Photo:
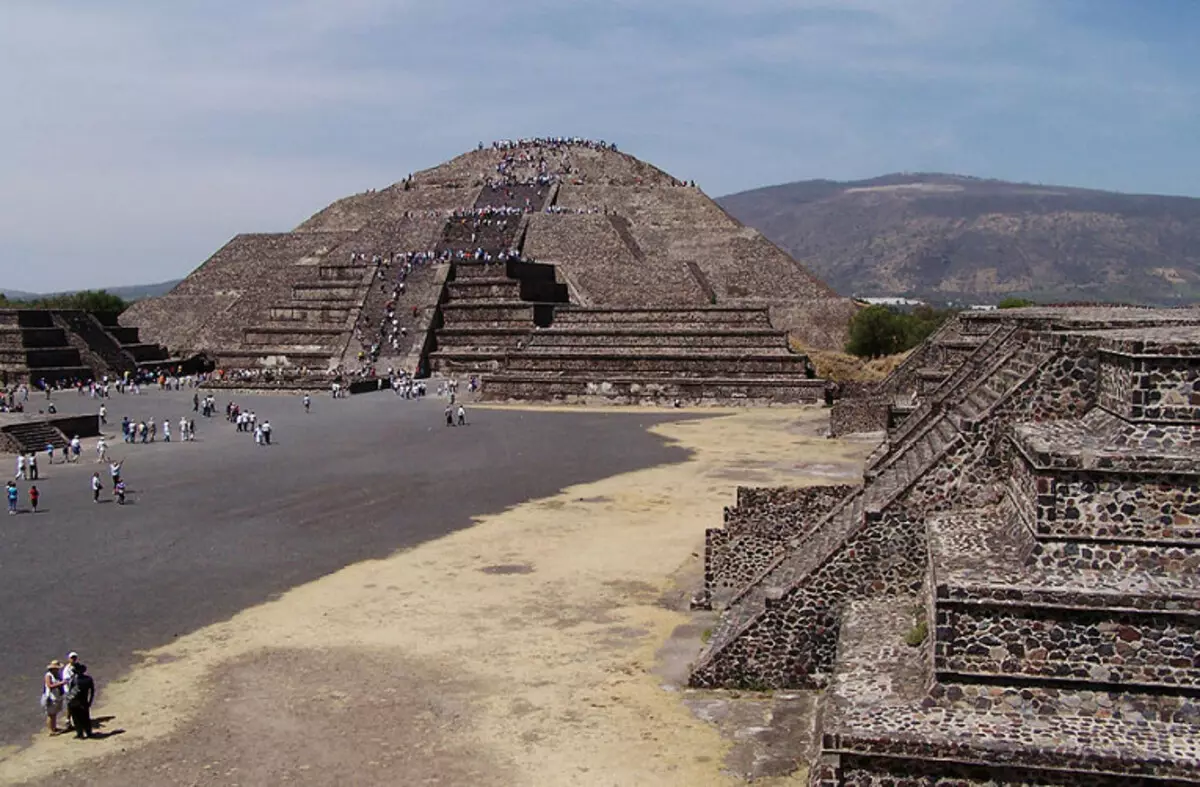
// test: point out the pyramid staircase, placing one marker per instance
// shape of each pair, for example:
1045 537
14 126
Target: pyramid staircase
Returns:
1063 642
780 630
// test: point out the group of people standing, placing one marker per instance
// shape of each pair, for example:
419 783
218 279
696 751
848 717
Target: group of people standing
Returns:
69 684
146 431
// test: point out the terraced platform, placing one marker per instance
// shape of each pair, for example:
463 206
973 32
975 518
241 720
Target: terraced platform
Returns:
1031 529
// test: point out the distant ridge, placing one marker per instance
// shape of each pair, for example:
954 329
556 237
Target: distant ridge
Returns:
959 238
131 292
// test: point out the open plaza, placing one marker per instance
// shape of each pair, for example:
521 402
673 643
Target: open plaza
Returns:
472 605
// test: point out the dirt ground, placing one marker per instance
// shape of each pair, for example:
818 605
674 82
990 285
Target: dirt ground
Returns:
525 650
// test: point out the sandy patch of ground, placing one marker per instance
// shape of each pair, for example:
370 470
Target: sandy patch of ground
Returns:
519 651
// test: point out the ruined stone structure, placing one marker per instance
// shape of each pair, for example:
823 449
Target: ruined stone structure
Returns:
1011 596
623 282
59 345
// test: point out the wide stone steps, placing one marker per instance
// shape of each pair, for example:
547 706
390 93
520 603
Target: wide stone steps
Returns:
35 436
487 313
274 335
1003 622
621 388
653 318
334 296
878 725
597 363
717 338
313 312
484 289
338 273
482 339
492 271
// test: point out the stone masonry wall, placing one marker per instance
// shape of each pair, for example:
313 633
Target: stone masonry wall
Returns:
1118 505
939 771
1150 389
758 529
1081 644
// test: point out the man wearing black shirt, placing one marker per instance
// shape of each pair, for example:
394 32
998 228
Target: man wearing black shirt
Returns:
80 693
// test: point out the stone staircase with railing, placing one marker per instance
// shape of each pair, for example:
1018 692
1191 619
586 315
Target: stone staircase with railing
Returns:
1056 637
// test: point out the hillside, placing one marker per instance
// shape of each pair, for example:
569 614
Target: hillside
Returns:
954 238
131 292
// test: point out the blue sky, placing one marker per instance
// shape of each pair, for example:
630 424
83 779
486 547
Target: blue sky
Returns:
139 136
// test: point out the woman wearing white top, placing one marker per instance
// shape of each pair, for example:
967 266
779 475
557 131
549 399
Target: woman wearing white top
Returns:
52 695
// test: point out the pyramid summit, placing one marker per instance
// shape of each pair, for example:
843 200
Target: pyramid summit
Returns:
558 231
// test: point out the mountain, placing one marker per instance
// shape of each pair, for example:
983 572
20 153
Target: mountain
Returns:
131 292
955 238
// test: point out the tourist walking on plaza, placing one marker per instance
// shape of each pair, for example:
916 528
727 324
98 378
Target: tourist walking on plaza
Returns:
307 402
266 432
103 415
81 692
462 415
119 492
76 447
166 431
96 487
52 694
34 497
31 468
49 453
13 493
20 467
101 451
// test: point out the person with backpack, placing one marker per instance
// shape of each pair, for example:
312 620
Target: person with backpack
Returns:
81 691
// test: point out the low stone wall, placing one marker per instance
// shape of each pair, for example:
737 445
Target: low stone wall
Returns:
858 413
757 530
937 767
1089 645
81 425
650 390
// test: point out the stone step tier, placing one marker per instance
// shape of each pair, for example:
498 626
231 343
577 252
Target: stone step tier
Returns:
642 389
1001 621
881 724
34 436
1101 493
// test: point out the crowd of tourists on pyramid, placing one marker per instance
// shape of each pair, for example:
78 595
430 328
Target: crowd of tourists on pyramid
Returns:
551 142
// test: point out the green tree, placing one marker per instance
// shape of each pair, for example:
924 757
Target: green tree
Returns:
878 330
1012 302
875 331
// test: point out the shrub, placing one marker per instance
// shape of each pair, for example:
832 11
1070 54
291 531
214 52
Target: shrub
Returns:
1014 303
877 330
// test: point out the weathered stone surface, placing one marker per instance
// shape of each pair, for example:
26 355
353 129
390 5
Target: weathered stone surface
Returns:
1030 529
